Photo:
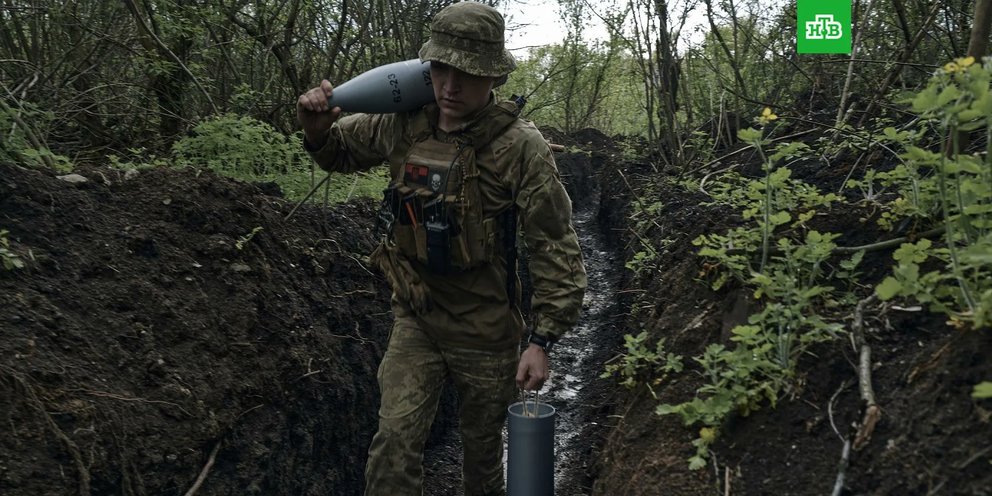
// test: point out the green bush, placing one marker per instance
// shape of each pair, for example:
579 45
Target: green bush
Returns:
241 147
250 150
16 145
958 99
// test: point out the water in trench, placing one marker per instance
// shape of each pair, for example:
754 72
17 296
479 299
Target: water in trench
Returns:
576 362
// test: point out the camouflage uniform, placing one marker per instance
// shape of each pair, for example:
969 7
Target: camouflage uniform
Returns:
463 324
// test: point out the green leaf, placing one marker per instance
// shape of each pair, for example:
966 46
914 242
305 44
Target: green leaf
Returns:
982 391
983 104
970 165
888 289
969 126
749 135
969 115
780 218
978 209
666 409
744 332
697 462
913 252
925 100
917 154
852 263
977 258
949 94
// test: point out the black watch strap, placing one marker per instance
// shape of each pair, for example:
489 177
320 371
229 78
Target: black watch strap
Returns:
545 342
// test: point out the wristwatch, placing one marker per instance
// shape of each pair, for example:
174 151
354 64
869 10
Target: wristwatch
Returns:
545 342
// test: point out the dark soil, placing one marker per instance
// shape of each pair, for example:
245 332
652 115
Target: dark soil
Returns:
152 338
154 344
172 325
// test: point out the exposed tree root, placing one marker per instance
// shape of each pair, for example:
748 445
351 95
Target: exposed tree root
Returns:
206 470
845 458
70 445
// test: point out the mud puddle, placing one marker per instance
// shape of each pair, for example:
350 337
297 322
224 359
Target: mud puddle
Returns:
578 360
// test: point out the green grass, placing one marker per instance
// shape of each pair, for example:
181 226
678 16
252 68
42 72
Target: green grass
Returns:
342 187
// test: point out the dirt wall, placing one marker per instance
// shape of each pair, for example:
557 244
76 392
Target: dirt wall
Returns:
170 321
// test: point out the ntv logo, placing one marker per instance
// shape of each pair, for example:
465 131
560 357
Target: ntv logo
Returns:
823 27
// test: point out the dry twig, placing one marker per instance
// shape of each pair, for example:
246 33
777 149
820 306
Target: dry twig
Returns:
873 413
203 473
726 481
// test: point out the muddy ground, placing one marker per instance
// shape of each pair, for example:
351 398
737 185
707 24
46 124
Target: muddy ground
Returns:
172 331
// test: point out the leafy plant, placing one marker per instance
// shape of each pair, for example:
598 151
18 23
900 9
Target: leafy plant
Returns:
137 158
957 99
11 261
642 364
21 143
770 203
644 216
241 147
247 149
243 240
790 280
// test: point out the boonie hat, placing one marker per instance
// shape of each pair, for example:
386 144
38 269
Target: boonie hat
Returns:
469 37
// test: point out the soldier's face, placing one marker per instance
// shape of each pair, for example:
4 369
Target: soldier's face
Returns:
458 93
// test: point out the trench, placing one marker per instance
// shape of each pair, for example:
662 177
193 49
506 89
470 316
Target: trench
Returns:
574 388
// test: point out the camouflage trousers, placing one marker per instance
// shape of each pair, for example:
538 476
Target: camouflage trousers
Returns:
411 375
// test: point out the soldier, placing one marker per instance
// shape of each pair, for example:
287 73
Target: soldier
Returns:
465 170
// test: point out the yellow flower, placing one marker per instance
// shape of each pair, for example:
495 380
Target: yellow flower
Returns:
766 116
959 64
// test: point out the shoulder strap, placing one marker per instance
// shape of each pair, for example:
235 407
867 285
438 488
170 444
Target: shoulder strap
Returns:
498 118
420 126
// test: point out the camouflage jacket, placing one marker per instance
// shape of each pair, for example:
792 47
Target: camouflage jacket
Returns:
517 168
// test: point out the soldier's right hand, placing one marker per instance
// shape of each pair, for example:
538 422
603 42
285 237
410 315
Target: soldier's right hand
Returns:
314 115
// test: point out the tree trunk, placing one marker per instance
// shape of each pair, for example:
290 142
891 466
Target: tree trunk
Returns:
979 43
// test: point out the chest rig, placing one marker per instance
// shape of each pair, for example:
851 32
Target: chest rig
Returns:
432 209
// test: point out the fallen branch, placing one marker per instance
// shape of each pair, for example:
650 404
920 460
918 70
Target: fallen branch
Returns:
203 473
873 413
